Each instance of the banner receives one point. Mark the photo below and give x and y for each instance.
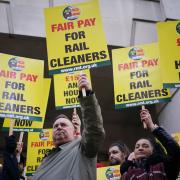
(169, 47)
(108, 173)
(31, 126)
(66, 89)
(21, 82)
(39, 144)
(75, 38)
(137, 77)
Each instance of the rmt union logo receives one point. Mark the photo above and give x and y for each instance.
(178, 27)
(136, 53)
(71, 13)
(16, 64)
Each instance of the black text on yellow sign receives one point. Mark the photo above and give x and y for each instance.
(177, 67)
(169, 48)
(137, 77)
(66, 95)
(18, 77)
(142, 81)
(77, 47)
(72, 90)
(78, 34)
(16, 97)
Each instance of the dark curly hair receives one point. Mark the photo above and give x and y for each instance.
(157, 146)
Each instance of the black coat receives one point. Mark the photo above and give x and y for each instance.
(10, 169)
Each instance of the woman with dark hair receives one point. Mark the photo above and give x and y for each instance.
(149, 162)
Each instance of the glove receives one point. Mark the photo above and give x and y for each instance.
(11, 144)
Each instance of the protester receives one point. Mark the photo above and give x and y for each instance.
(21, 160)
(145, 162)
(10, 169)
(118, 152)
(75, 158)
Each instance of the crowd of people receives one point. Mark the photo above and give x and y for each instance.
(75, 154)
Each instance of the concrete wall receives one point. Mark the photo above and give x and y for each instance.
(169, 117)
(26, 17)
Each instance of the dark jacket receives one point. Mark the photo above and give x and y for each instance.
(168, 166)
(10, 169)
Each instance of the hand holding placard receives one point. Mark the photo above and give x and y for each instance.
(147, 120)
(11, 127)
(144, 124)
(83, 84)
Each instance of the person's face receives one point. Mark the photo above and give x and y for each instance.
(143, 148)
(19, 147)
(63, 131)
(116, 157)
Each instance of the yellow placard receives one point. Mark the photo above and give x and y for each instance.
(108, 173)
(39, 144)
(137, 76)
(169, 47)
(31, 126)
(75, 38)
(21, 81)
(176, 136)
(66, 89)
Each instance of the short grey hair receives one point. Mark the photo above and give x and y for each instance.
(61, 116)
